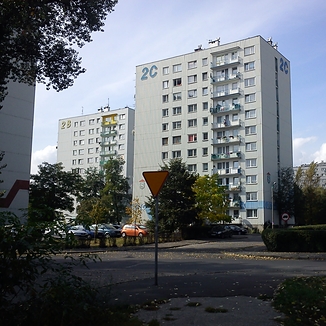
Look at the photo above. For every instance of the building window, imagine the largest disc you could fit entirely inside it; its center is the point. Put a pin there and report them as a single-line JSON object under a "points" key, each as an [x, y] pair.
{"points": [[176, 140], [251, 196], [97, 150], [192, 152], [122, 126], [90, 160], [75, 133], [251, 163], [91, 121], [74, 152], [251, 179], [74, 162], [176, 125], [250, 130], [250, 98], [205, 121], [249, 50], [205, 136], [250, 114], [192, 138], [205, 106], [205, 167], [81, 132], [82, 123], [91, 141], [192, 123], [91, 131], [192, 79], [205, 61], [97, 130], [81, 161], [205, 151], [76, 124], [251, 147], [192, 64], [98, 120], [165, 126], [90, 151], [176, 154], [122, 116], [250, 82], [205, 91], [97, 140], [251, 213], [192, 93], [165, 98], [192, 108], [165, 70], [165, 112], [249, 66], [121, 136], [177, 68], [165, 141], [82, 142], [165, 84], [177, 96], [204, 76], [235, 117], [176, 110], [192, 167], [121, 146], [75, 142], [165, 155], [177, 82]]}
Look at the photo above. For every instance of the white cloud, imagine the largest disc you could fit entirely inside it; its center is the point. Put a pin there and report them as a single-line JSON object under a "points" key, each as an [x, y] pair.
{"points": [[302, 150], [320, 155], [48, 154]]}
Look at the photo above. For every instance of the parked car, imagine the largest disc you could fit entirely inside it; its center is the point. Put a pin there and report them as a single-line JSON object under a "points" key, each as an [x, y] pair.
{"points": [[220, 231], [79, 232], [132, 230], [237, 229], [108, 230]]}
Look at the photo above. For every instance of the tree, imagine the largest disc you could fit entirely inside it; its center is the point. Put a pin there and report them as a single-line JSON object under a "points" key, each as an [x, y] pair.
{"points": [[176, 199], [211, 199], [284, 192], [2, 154], [115, 194], [135, 212], [51, 191], [39, 38]]}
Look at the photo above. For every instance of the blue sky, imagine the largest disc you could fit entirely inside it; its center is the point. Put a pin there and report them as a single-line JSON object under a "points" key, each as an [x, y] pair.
{"points": [[141, 31]]}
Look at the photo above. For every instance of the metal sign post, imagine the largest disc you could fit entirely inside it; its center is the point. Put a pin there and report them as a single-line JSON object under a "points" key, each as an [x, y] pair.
{"points": [[155, 181]]}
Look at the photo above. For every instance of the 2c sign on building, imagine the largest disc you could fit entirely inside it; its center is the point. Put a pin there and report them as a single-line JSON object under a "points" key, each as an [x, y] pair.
{"points": [[151, 72], [284, 66]]}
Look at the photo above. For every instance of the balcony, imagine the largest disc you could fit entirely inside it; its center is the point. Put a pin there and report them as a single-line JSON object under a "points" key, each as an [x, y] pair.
{"points": [[108, 153], [225, 108], [108, 133], [225, 156], [226, 62], [109, 123], [226, 124], [227, 140], [232, 187], [235, 203], [226, 93], [226, 78], [227, 171]]}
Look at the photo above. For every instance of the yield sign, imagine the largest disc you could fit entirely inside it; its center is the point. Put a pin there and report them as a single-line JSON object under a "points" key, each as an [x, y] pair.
{"points": [[155, 180]]}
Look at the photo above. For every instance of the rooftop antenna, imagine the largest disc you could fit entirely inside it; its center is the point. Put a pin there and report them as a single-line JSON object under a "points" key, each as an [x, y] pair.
{"points": [[82, 110]]}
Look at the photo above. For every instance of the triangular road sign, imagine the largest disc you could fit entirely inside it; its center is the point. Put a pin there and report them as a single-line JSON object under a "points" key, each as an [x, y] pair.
{"points": [[155, 180]]}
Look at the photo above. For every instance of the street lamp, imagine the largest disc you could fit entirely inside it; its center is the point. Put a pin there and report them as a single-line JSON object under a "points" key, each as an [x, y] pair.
{"points": [[273, 184]]}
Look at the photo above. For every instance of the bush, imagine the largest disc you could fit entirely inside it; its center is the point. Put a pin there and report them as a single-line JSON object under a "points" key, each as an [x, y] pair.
{"points": [[295, 239]]}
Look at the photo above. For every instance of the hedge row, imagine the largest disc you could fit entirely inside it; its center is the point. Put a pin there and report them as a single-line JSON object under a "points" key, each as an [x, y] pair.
{"points": [[299, 239]]}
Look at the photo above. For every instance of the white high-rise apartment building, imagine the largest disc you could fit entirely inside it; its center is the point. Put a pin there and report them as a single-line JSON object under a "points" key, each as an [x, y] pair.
{"points": [[90, 140], [225, 109]]}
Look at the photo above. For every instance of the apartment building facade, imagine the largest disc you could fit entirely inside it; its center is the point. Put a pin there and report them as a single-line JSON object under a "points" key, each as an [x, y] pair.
{"points": [[90, 140], [320, 170], [225, 109]]}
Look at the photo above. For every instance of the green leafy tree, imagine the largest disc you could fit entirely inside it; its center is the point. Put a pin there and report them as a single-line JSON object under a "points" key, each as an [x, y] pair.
{"points": [[312, 194], [176, 200], [115, 195], [135, 212], [211, 199], [2, 153], [52, 191], [39, 39], [284, 193], [90, 209]]}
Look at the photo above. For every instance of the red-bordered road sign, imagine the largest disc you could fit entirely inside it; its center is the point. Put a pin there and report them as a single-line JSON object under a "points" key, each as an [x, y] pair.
{"points": [[155, 180]]}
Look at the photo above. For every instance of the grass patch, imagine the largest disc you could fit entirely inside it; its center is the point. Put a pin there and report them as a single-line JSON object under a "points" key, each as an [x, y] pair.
{"points": [[302, 300], [216, 310]]}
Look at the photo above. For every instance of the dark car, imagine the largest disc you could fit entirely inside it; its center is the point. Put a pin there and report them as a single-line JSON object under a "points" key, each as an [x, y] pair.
{"points": [[220, 231], [108, 230], [237, 229]]}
